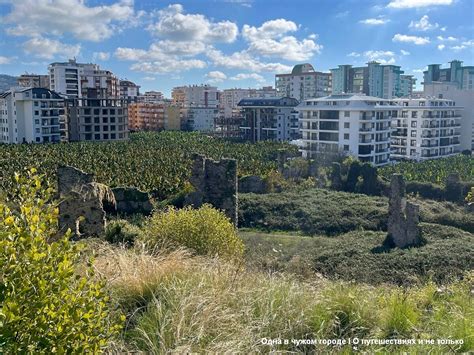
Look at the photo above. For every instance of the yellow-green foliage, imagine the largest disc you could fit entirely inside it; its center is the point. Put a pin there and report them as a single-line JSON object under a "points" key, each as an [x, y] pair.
{"points": [[45, 307], [470, 196], [206, 231]]}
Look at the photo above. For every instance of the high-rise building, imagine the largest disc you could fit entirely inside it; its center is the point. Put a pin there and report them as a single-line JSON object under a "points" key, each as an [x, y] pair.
{"points": [[75, 80], [375, 80], [230, 98], [151, 97], [195, 95], [407, 85], [97, 119], [30, 115], [425, 128], [202, 119], [463, 76], [33, 81], [463, 98], [356, 124], [129, 90], [269, 119], [303, 83]]}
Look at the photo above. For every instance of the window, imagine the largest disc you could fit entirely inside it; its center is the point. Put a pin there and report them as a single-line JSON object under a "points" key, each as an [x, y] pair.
{"points": [[113, 136], [37, 121], [347, 124], [36, 113], [413, 124], [106, 136], [87, 120], [105, 120], [97, 137], [88, 137], [96, 119], [414, 114], [96, 128], [96, 111], [346, 136], [87, 111], [36, 103], [347, 114], [413, 142], [413, 134], [346, 148], [104, 111]]}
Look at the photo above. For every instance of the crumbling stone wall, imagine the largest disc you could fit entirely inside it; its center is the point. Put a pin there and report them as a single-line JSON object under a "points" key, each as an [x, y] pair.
{"points": [[252, 184], [130, 200], [82, 203], [454, 188], [215, 182], [403, 216]]}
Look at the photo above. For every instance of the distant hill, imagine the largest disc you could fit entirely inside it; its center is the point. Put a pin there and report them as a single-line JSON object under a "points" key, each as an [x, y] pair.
{"points": [[6, 82]]}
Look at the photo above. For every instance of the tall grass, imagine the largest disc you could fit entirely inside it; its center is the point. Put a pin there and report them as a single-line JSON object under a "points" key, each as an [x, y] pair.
{"points": [[179, 303]]}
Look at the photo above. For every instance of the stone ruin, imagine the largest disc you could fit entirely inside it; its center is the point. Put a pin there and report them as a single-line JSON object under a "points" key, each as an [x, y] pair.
{"points": [[403, 216], [130, 200], [454, 188], [82, 203], [215, 182]]}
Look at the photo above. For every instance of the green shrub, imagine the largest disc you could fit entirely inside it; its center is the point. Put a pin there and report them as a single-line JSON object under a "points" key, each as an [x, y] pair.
{"points": [[45, 306], [121, 232], [206, 231]]}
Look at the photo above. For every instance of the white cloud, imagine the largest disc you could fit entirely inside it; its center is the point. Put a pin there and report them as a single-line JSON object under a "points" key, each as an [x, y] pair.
{"points": [[271, 40], [410, 39], [101, 56], [447, 39], [463, 45], [443, 28], [353, 54], [46, 48], [245, 76], [441, 46], [423, 24], [174, 25], [375, 21], [149, 78], [243, 60], [383, 57], [5, 60], [404, 52], [419, 70], [409, 4], [168, 66], [216, 76], [57, 17]]}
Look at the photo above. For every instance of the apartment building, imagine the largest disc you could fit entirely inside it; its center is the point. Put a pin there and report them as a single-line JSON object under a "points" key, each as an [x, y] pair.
{"points": [[33, 81], [202, 119], [463, 98], [269, 119], [76, 80], [230, 98], [30, 115], [463, 76], [129, 90], [151, 97], [356, 124], [375, 80], [97, 119], [195, 95], [145, 116], [303, 83], [425, 128], [407, 85]]}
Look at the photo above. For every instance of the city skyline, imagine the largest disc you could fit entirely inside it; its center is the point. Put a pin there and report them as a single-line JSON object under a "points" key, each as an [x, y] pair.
{"points": [[235, 43]]}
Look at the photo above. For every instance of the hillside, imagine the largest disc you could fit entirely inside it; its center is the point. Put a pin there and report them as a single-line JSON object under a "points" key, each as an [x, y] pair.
{"points": [[6, 82]]}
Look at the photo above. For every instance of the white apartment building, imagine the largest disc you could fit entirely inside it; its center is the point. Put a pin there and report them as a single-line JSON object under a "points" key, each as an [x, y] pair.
{"points": [[77, 80], [195, 95], [30, 115], [303, 83], [463, 97], [152, 97], [202, 119], [425, 128], [407, 85], [353, 123], [129, 90]]}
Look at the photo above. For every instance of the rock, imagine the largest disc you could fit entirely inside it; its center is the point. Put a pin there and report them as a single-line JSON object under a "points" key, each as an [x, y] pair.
{"points": [[215, 182], [403, 216], [130, 200]]}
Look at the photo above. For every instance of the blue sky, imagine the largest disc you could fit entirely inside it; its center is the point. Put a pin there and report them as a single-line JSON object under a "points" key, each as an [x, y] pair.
{"points": [[231, 43]]}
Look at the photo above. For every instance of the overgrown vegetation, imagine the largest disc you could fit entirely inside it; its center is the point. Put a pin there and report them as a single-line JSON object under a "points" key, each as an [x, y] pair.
{"points": [[158, 162], [45, 306], [320, 211], [194, 304], [434, 171]]}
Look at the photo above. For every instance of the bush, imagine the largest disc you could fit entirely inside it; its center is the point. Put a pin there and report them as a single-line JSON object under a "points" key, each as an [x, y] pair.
{"points": [[44, 305], [121, 232], [206, 231]]}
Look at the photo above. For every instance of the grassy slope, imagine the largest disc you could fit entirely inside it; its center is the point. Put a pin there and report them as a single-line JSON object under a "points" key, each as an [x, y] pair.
{"points": [[358, 255], [319, 211], [177, 303]]}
